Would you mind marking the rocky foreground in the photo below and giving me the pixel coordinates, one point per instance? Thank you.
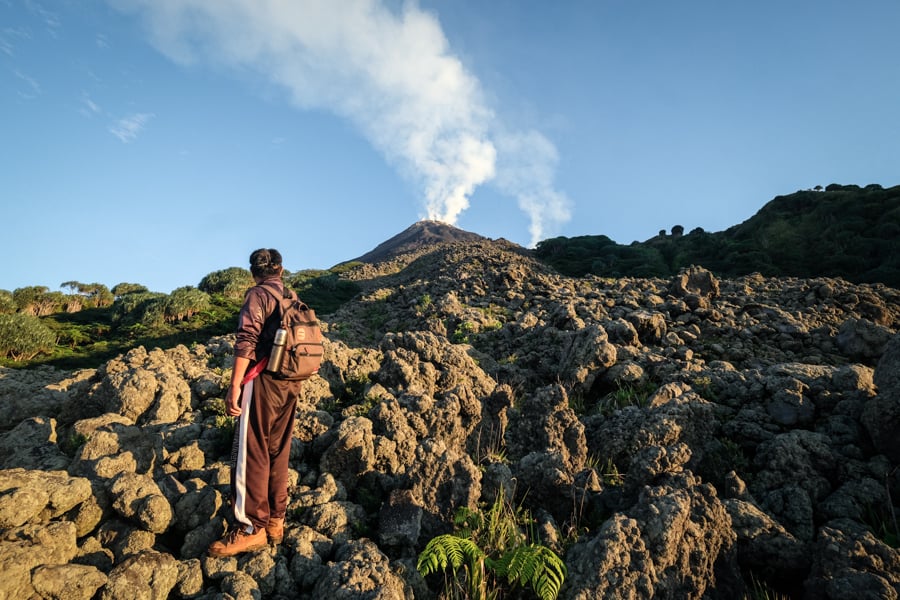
(691, 438)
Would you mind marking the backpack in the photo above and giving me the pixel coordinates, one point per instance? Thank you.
(303, 348)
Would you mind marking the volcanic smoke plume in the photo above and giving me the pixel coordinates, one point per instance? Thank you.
(392, 74)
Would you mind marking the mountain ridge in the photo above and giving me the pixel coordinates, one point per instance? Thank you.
(836, 231)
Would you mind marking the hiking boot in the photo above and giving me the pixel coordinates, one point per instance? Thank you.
(275, 529)
(237, 541)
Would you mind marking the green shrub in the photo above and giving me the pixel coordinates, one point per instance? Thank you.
(183, 303)
(882, 521)
(424, 303)
(223, 436)
(70, 445)
(7, 303)
(38, 300)
(626, 395)
(91, 295)
(324, 291)
(22, 337)
(463, 332)
(232, 283)
(136, 307)
(122, 289)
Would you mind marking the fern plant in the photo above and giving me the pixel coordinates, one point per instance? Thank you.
(457, 553)
(488, 548)
(533, 565)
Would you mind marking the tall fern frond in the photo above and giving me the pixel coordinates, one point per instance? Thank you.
(533, 565)
(447, 550)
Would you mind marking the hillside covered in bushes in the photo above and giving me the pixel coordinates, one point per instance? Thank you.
(839, 231)
(92, 323)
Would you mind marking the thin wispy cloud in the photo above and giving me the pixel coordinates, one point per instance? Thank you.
(32, 88)
(101, 41)
(128, 128)
(50, 18)
(89, 108)
(390, 72)
(9, 36)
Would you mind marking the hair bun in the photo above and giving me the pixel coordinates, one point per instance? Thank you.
(265, 262)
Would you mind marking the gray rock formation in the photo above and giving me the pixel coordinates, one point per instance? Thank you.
(691, 438)
(881, 414)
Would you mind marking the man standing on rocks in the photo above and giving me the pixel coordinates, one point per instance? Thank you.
(265, 407)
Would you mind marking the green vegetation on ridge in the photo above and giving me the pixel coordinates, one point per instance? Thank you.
(841, 231)
(93, 324)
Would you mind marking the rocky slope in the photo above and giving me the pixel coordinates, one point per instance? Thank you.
(683, 438)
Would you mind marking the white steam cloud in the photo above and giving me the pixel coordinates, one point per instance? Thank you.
(389, 72)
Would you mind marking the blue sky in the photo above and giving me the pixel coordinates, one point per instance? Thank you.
(156, 141)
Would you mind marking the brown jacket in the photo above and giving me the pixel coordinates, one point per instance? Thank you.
(255, 330)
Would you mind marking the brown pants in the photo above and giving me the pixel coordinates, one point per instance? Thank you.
(262, 449)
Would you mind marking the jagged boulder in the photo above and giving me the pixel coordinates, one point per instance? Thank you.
(677, 542)
(849, 562)
(795, 472)
(195, 504)
(32, 496)
(613, 563)
(24, 549)
(862, 339)
(650, 326)
(147, 574)
(695, 281)
(584, 355)
(137, 498)
(352, 454)
(439, 381)
(689, 534)
(33, 444)
(396, 430)
(445, 479)
(142, 386)
(39, 392)
(114, 444)
(360, 571)
(308, 552)
(338, 520)
(190, 579)
(544, 422)
(400, 520)
(764, 545)
(671, 433)
(881, 414)
(67, 582)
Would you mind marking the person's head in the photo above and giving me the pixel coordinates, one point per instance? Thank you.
(265, 262)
